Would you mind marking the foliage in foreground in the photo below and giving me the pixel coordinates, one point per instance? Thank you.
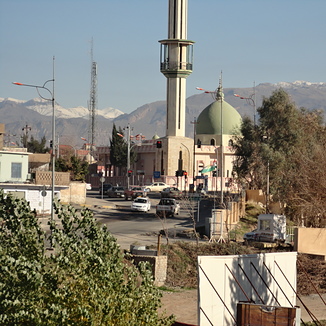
(84, 281)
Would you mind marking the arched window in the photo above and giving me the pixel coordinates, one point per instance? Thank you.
(213, 142)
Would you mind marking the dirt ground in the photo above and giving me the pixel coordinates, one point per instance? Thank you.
(183, 305)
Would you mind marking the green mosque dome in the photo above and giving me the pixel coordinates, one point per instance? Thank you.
(209, 120)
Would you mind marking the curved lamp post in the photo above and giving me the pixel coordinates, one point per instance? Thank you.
(218, 95)
(251, 101)
(51, 98)
(128, 152)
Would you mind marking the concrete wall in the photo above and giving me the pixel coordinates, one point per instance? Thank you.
(223, 284)
(40, 197)
(75, 194)
(310, 241)
(34, 195)
(230, 217)
(257, 196)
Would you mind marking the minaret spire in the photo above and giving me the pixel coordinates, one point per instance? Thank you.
(219, 92)
(176, 65)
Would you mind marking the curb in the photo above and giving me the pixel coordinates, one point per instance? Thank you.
(97, 206)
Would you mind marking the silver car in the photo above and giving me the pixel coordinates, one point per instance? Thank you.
(141, 204)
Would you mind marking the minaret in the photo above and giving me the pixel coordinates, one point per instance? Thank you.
(176, 64)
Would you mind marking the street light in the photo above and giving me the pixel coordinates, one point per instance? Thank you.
(194, 153)
(128, 152)
(38, 88)
(251, 100)
(218, 95)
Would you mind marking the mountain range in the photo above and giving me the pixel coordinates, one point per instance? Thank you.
(35, 116)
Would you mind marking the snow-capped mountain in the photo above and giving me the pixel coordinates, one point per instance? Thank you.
(149, 119)
(45, 108)
(299, 83)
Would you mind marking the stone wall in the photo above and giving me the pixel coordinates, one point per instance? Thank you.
(159, 267)
(75, 194)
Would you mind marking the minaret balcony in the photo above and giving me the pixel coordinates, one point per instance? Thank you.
(176, 69)
(176, 58)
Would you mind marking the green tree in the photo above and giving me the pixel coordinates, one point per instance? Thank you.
(307, 195)
(248, 163)
(288, 146)
(84, 281)
(77, 167)
(35, 146)
(119, 149)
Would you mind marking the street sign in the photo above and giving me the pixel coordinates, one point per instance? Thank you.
(43, 192)
(102, 179)
(156, 174)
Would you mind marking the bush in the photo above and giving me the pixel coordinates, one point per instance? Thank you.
(83, 281)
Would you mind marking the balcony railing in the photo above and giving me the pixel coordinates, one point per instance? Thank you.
(173, 66)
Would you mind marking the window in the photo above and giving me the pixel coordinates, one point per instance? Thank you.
(16, 170)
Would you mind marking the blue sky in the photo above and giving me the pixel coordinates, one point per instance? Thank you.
(249, 40)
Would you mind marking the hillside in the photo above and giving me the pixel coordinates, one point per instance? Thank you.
(149, 119)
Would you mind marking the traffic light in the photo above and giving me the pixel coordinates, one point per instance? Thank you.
(159, 144)
(179, 173)
(51, 143)
(185, 173)
(214, 173)
(198, 143)
(129, 173)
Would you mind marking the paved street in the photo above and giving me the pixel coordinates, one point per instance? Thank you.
(135, 228)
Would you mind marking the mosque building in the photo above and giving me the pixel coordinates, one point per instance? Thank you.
(176, 159)
(203, 156)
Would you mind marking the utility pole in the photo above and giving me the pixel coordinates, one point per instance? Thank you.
(25, 139)
(92, 102)
(194, 154)
(128, 154)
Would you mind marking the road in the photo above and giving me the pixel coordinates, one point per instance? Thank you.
(137, 228)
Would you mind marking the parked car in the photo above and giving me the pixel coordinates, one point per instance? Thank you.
(156, 186)
(171, 192)
(116, 192)
(141, 204)
(133, 192)
(106, 187)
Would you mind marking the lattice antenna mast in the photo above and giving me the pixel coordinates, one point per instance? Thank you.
(92, 105)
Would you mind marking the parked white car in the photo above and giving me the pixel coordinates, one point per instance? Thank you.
(156, 186)
(141, 204)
